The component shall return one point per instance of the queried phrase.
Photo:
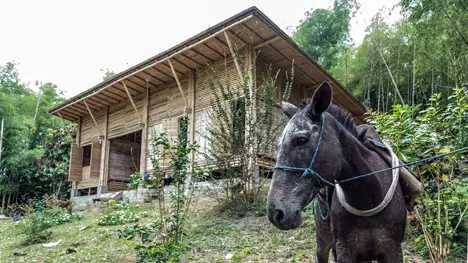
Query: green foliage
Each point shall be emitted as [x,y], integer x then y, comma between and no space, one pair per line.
[163,239]
[41,215]
[416,57]
[120,217]
[126,213]
[442,208]
[323,33]
[34,156]
[245,121]
[135,181]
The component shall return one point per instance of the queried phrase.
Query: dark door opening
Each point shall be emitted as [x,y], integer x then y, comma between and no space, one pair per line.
[124,160]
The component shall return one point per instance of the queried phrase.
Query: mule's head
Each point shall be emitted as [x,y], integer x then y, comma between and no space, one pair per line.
[290,192]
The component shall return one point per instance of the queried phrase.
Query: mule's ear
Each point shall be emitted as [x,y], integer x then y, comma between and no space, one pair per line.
[289,109]
[321,100]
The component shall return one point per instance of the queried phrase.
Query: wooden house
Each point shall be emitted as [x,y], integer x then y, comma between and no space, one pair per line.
[116,116]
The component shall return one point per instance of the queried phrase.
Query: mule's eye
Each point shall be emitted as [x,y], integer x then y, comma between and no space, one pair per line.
[301,141]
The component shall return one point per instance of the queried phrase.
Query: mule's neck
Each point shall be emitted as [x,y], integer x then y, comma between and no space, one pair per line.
[363,193]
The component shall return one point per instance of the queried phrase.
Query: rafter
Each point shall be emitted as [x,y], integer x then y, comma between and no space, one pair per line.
[178,82]
[94,119]
[131,100]
[234,55]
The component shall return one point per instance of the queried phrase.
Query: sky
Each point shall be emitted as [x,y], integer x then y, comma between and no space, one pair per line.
[69,43]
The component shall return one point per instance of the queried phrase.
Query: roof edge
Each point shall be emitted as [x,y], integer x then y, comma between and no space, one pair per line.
[165,53]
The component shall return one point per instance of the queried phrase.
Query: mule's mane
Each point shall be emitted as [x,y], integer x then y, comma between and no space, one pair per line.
[344,118]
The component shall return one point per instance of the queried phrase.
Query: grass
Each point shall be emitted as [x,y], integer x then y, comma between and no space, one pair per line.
[235,235]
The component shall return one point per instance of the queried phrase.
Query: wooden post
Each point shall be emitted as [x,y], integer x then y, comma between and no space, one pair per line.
[234,55]
[252,162]
[144,133]
[191,90]
[102,186]
[74,192]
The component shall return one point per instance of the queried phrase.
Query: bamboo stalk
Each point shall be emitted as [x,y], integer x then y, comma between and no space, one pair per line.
[1,139]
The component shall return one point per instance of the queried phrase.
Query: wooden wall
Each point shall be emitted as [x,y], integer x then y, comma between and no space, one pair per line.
[123,119]
[89,131]
[166,106]
[222,72]
[265,69]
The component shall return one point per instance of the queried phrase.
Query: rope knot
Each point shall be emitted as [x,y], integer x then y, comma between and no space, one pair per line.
[307,171]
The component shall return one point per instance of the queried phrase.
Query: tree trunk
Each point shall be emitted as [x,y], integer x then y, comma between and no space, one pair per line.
[3,200]
[378,95]
[414,71]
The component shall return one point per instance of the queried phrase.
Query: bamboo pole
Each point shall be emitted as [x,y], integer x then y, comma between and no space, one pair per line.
[178,82]
[234,56]
[94,119]
[1,140]
[144,133]
[131,100]
[267,42]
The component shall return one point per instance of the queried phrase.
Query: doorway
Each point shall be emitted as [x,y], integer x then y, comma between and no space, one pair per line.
[124,160]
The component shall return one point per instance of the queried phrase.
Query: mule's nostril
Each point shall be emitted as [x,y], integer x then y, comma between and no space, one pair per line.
[279,215]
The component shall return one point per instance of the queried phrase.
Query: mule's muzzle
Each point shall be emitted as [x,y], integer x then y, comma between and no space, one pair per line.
[284,219]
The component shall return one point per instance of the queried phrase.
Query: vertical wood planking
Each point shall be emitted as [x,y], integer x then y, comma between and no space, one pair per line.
[76,161]
[191,88]
[144,134]
[96,149]
[103,168]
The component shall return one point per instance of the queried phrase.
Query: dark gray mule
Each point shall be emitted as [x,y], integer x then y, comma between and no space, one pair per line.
[341,155]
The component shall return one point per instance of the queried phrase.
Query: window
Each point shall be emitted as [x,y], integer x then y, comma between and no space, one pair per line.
[86,155]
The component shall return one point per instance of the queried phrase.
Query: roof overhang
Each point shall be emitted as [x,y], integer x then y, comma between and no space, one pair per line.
[248,27]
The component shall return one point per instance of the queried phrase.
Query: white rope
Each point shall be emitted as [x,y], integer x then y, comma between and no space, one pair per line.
[388,197]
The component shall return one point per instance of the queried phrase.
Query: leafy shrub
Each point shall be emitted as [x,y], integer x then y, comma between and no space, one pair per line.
[162,240]
[118,218]
[34,226]
[42,215]
[414,133]
[51,201]
[152,249]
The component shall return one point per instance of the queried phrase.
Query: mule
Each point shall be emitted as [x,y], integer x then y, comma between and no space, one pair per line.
[325,134]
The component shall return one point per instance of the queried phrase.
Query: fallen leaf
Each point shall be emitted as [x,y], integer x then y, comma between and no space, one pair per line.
[445,150]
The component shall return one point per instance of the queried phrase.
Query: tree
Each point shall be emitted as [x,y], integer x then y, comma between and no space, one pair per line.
[26,143]
[324,33]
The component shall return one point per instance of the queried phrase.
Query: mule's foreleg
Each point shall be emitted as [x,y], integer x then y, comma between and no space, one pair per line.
[392,256]
[324,238]
[323,249]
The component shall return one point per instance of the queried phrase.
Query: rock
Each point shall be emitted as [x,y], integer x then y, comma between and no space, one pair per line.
[228,256]
[3,217]
[51,244]
[83,228]
[109,196]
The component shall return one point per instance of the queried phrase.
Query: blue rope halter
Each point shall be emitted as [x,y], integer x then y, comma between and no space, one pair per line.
[309,170]
[320,179]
